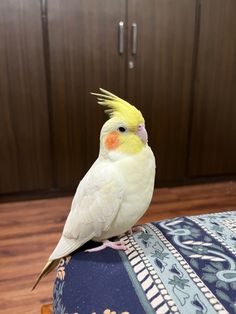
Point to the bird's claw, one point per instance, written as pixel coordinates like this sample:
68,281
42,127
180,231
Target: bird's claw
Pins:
118,245
135,229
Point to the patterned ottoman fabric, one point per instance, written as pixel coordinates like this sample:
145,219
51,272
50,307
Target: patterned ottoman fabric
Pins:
182,265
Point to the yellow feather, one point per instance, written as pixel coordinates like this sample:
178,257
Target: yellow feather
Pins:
130,144
119,108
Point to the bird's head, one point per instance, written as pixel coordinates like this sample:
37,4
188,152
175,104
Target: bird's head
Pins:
125,131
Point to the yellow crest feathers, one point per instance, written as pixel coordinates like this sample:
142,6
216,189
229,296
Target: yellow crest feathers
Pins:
119,108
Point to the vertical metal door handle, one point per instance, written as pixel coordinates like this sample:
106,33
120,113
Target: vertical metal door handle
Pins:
121,37
134,38
44,9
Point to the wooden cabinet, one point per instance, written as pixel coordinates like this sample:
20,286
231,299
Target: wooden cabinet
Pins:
25,156
83,47
177,65
84,55
213,134
160,80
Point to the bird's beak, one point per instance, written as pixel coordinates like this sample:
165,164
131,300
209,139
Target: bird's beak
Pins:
142,133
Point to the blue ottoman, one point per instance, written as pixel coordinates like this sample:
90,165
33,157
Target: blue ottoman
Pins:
183,265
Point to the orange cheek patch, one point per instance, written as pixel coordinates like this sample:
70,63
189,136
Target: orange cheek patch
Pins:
112,141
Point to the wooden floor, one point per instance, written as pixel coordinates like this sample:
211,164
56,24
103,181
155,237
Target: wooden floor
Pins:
30,230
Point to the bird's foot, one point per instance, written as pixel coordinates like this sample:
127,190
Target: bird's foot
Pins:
118,245
135,229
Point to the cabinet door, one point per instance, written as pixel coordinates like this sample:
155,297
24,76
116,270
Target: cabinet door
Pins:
160,80
213,141
25,162
83,40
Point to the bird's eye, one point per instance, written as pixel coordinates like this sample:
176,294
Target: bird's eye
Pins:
122,129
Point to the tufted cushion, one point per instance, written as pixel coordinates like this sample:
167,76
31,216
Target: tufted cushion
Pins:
182,265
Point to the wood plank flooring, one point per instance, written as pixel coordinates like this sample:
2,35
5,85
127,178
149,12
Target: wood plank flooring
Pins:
30,230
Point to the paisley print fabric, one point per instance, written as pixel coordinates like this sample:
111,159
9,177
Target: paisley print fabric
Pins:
182,265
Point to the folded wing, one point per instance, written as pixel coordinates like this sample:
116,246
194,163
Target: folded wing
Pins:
94,207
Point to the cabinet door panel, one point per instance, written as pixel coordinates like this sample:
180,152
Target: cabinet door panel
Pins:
25,162
83,39
213,141
160,81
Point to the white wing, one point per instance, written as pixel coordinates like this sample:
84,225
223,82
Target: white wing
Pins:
94,207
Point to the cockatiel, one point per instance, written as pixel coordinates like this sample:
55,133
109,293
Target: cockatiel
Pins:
117,189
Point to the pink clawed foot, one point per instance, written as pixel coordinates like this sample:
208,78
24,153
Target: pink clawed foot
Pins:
135,229
118,245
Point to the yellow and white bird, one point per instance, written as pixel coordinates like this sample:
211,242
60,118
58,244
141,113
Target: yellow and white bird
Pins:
117,189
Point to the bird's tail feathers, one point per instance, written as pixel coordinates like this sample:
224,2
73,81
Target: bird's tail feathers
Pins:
50,265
